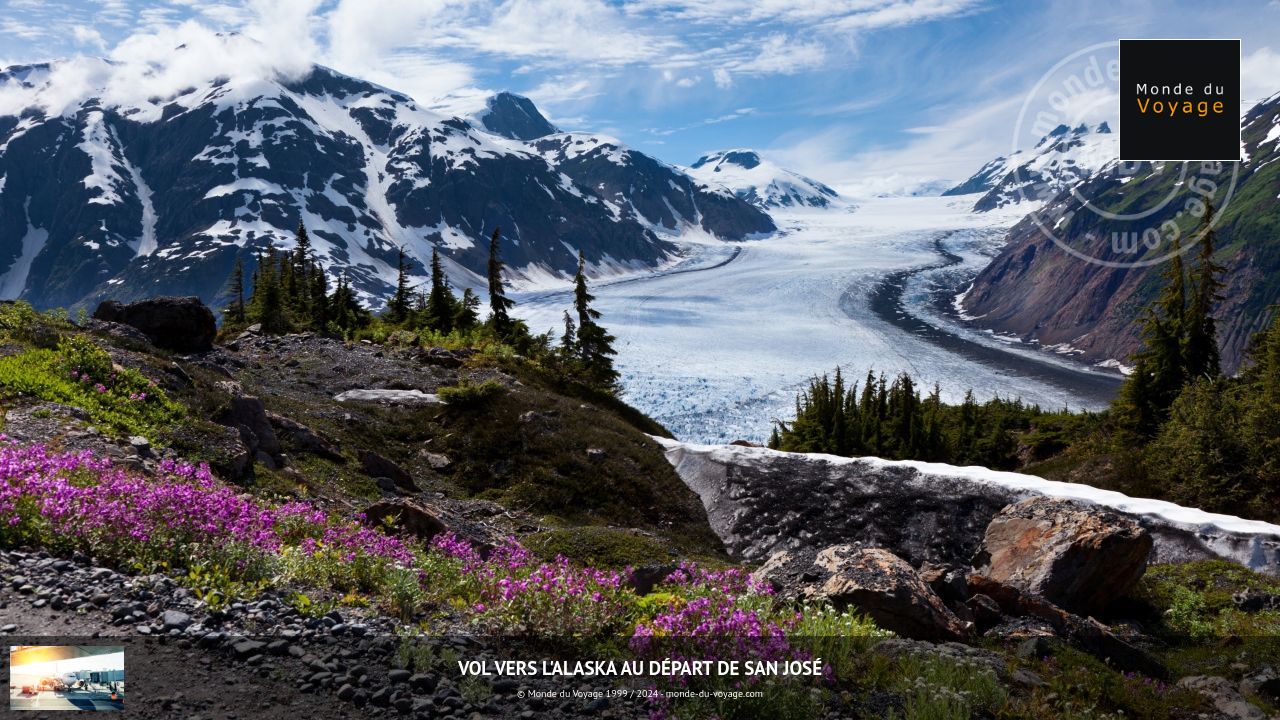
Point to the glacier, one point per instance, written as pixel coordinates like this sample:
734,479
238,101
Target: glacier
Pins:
716,346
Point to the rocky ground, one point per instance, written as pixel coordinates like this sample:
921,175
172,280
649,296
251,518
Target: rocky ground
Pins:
263,659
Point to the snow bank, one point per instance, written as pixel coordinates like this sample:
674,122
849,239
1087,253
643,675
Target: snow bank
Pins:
744,485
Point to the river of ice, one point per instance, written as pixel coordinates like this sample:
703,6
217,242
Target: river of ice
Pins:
718,353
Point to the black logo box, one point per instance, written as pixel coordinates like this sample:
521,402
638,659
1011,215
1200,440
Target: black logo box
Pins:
1187,66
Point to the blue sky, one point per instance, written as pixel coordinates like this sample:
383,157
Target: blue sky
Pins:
869,95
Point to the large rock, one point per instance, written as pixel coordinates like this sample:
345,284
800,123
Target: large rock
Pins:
181,324
872,580
377,466
1077,556
406,516
249,415
304,438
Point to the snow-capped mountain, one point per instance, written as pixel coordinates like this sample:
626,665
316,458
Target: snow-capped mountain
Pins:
1063,158
761,182
1034,290
104,193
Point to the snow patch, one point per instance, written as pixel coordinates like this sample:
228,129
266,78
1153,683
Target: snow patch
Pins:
14,280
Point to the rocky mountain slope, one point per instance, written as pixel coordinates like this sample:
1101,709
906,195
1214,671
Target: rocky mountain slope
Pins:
1037,291
168,191
761,182
1063,158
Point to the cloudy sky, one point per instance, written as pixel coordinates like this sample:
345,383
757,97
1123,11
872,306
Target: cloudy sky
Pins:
868,95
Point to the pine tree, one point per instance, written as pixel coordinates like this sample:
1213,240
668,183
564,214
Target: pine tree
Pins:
271,306
299,274
499,304
1149,394
319,300
467,316
399,305
345,310
595,344
236,313
441,305
569,340
1201,356
302,247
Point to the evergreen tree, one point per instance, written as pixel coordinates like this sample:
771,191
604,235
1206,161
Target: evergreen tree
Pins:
319,301
302,247
1149,394
595,344
345,310
399,305
441,305
236,313
1201,355
270,310
569,340
499,304
298,274
467,315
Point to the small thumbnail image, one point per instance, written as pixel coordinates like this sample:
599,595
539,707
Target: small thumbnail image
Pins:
66,677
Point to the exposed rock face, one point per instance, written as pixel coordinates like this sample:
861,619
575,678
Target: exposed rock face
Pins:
182,324
304,438
394,397
872,580
1077,556
760,501
514,116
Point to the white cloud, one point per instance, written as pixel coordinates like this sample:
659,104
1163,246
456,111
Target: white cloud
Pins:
1259,76
782,55
89,37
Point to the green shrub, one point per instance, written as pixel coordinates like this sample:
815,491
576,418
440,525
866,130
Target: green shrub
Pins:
81,374
20,322
599,546
468,394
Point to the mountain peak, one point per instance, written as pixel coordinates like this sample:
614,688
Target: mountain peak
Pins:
516,117
756,180
1063,157
745,159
